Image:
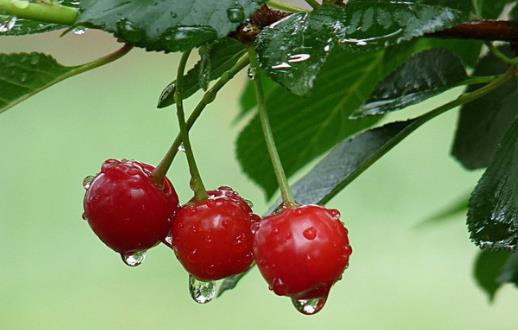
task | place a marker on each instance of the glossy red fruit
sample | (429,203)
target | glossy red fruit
(126,209)
(213,238)
(302,251)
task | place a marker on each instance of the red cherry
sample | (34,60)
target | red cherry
(126,209)
(213,238)
(302,252)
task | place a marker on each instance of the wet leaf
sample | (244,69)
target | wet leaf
(294,50)
(167,25)
(425,75)
(493,207)
(23,75)
(222,56)
(483,122)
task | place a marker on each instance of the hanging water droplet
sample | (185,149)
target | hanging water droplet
(79,31)
(309,306)
(236,13)
(251,73)
(201,292)
(169,239)
(181,148)
(134,259)
(7,23)
(87,181)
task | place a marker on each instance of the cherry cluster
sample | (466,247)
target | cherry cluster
(301,250)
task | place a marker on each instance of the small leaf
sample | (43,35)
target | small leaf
(13,26)
(483,122)
(167,25)
(488,267)
(222,56)
(23,75)
(493,207)
(425,75)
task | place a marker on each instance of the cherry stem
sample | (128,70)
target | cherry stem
(161,170)
(501,55)
(287,195)
(200,193)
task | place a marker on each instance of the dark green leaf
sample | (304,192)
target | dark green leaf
(167,25)
(491,9)
(304,128)
(425,75)
(12,26)
(294,50)
(509,272)
(459,206)
(488,267)
(23,75)
(514,13)
(493,207)
(222,56)
(467,50)
(483,122)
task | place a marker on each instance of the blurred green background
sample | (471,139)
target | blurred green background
(56,274)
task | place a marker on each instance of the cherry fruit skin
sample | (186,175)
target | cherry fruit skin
(302,251)
(213,239)
(126,209)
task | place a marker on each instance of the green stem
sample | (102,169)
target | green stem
(287,195)
(501,55)
(313,3)
(43,12)
(285,7)
(200,193)
(160,171)
(478,80)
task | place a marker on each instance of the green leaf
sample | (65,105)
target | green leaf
(488,267)
(493,207)
(168,25)
(12,26)
(514,13)
(483,122)
(23,75)
(294,50)
(248,101)
(425,75)
(459,206)
(509,272)
(222,56)
(306,127)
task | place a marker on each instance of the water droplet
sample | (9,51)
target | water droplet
(309,306)
(87,181)
(35,59)
(173,14)
(236,14)
(255,227)
(310,233)
(23,77)
(181,148)
(6,24)
(128,31)
(335,213)
(182,36)
(202,292)
(281,66)
(251,73)
(134,259)
(298,58)
(79,31)
(169,239)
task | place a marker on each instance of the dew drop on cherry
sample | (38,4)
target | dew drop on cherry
(202,292)
(310,233)
(134,259)
(309,306)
